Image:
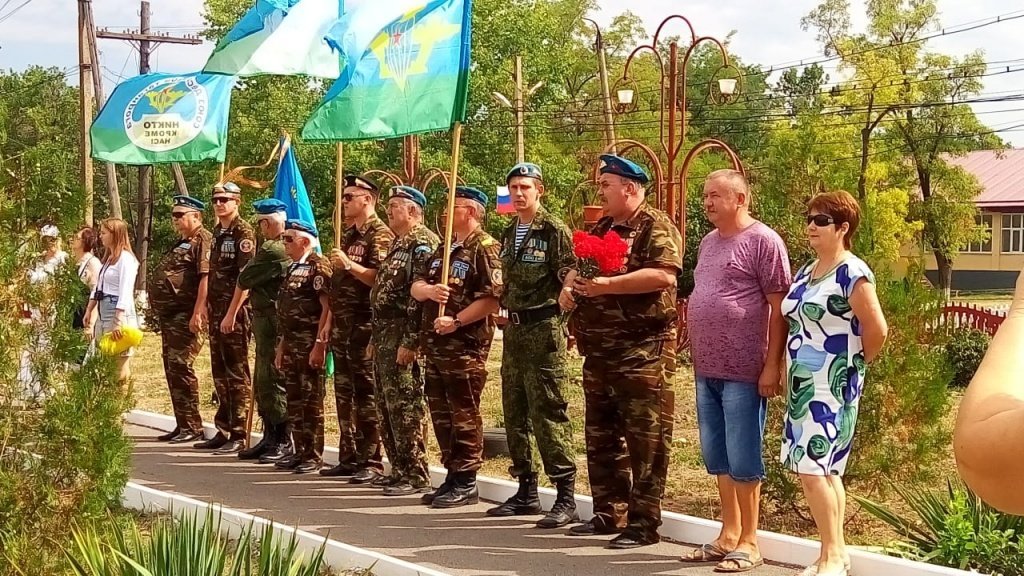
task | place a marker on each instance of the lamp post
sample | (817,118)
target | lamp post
(670,182)
(518,106)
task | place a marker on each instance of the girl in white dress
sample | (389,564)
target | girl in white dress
(114,294)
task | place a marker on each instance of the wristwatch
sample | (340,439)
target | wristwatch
(458,323)
(348,265)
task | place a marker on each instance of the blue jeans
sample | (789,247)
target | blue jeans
(731,418)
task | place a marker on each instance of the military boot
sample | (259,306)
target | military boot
(525,502)
(445,486)
(564,510)
(282,449)
(462,493)
(268,440)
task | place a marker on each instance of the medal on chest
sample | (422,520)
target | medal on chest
(357,252)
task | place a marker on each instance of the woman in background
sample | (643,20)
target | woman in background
(83,248)
(114,294)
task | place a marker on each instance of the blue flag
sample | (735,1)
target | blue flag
(290,188)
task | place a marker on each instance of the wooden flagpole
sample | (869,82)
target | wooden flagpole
(339,188)
(450,212)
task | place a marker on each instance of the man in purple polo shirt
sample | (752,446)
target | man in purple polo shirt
(738,337)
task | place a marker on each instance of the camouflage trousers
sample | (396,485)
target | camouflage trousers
(533,381)
(353,394)
(630,410)
(305,391)
(180,349)
(399,392)
(453,386)
(267,384)
(229,361)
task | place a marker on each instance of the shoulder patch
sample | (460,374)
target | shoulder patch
(246,245)
(318,283)
(487,241)
(496,277)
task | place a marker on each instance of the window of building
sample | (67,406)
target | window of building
(1013,234)
(982,222)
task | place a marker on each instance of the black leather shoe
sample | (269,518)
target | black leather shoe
(169,435)
(563,512)
(307,467)
(629,539)
(232,447)
(186,437)
(344,469)
(383,481)
(462,493)
(445,486)
(525,502)
(365,476)
(403,488)
(213,443)
(588,528)
(288,463)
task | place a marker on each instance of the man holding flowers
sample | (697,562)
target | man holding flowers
(624,294)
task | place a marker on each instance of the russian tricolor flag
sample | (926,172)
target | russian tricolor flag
(505,201)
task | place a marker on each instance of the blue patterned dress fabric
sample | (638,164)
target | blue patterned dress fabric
(825,369)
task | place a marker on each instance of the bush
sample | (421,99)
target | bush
(902,426)
(965,349)
(954,528)
(63,454)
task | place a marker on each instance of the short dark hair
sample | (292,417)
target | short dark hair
(87,236)
(842,207)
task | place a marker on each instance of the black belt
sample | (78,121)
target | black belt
(534,315)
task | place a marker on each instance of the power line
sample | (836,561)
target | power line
(13,11)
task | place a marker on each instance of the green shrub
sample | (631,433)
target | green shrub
(954,528)
(965,349)
(901,425)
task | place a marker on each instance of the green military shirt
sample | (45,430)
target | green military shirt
(233,247)
(174,285)
(299,306)
(263,275)
(534,272)
(618,321)
(475,273)
(390,295)
(366,245)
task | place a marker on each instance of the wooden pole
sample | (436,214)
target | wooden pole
(450,212)
(87,104)
(339,188)
(220,179)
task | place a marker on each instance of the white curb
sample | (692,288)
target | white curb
(680,527)
(337,555)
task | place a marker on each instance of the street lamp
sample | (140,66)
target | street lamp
(672,130)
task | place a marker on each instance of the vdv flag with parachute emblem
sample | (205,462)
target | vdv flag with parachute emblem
(406,71)
(290,188)
(280,37)
(159,118)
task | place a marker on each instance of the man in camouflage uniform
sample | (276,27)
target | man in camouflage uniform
(177,295)
(261,279)
(456,344)
(363,245)
(536,256)
(626,328)
(304,323)
(396,333)
(234,244)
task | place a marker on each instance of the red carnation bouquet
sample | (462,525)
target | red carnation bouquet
(599,256)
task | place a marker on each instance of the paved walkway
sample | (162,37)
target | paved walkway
(462,541)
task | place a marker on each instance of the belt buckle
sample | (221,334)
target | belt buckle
(514,317)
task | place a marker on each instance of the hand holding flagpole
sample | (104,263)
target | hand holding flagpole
(450,211)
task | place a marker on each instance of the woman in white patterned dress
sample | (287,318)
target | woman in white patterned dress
(836,328)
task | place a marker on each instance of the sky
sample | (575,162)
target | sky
(44,32)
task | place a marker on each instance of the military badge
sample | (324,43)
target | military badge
(318,283)
(460,269)
(246,246)
(496,276)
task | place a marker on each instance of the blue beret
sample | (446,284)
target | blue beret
(472,194)
(302,226)
(269,206)
(360,182)
(526,170)
(409,193)
(189,202)
(611,164)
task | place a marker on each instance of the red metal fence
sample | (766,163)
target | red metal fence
(964,315)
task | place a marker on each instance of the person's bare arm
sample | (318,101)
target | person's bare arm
(868,311)
(769,384)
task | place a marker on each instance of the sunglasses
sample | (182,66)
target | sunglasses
(348,196)
(178,215)
(222,200)
(820,220)
(288,239)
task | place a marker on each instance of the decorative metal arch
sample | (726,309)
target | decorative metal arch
(702,146)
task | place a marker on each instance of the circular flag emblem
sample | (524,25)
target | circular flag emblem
(167,114)
(246,246)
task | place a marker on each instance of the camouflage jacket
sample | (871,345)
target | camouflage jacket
(390,294)
(534,273)
(263,275)
(299,308)
(618,321)
(367,246)
(174,285)
(475,273)
(233,247)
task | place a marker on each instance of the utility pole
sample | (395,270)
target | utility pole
(518,102)
(97,81)
(87,102)
(606,93)
(144,224)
